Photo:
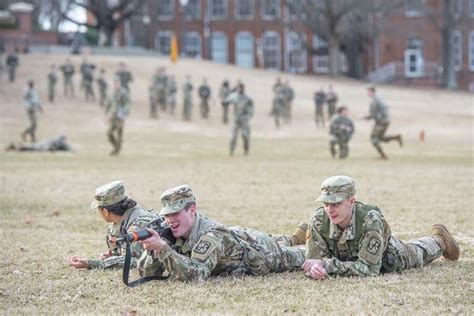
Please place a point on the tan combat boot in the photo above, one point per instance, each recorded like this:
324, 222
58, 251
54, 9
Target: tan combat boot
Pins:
448, 244
299, 235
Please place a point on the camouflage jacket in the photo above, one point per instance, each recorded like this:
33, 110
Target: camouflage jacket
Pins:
331, 98
52, 78
67, 70
378, 111
118, 106
341, 127
319, 98
102, 83
215, 250
31, 100
187, 88
204, 91
125, 77
359, 250
224, 93
243, 106
12, 60
134, 219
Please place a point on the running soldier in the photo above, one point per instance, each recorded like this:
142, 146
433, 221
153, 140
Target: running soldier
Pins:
331, 99
117, 109
341, 130
52, 80
68, 71
224, 93
319, 100
204, 92
32, 105
243, 112
103, 85
187, 99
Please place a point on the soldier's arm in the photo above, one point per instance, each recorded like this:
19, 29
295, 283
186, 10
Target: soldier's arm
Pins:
199, 266
316, 247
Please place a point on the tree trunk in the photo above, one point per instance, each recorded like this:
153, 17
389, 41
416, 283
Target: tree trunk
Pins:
448, 79
333, 55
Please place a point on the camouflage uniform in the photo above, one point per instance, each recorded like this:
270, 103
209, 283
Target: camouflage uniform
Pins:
134, 218
279, 104
52, 80
331, 99
12, 63
102, 83
125, 78
341, 130
68, 71
171, 90
187, 102
289, 96
32, 105
56, 144
204, 94
243, 111
215, 250
118, 107
153, 98
366, 247
87, 71
276, 87
379, 113
224, 93
160, 83
319, 99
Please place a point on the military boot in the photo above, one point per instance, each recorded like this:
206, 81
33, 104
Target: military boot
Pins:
299, 235
400, 140
382, 154
448, 244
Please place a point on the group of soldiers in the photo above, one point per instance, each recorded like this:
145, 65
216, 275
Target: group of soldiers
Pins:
344, 238
282, 102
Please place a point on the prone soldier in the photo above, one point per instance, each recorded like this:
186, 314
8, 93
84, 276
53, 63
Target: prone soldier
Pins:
243, 112
349, 238
56, 144
32, 105
341, 130
52, 80
204, 92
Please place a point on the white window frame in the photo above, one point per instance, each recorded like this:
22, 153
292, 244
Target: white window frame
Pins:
298, 52
218, 17
456, 42
268, 17
223, 36
265, 48
195, 35
238, 48
196, 11
471, 50
419, 63
320, 62
166, 17
244, 17
163, 34
413, 8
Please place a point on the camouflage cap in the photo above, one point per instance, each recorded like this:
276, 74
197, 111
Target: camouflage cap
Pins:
109, 194
336, 189
175, 199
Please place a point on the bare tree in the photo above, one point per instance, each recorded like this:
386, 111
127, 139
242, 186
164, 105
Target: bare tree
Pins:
108, 15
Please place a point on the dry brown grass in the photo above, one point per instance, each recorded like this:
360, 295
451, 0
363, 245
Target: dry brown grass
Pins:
45, 197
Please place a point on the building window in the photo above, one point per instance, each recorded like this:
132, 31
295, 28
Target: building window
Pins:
270, 9
219, 47
163, 42
413, 8
296, 8
297, 53
414, 61
471, 8
271, 50
165, 9
244, 9
455, 7
218, 9
320, 56
471, 50
192, 11
244, 50
192, 45
456, 42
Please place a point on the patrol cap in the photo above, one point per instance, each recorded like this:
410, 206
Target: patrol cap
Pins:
109, 194
175, 199
336, 189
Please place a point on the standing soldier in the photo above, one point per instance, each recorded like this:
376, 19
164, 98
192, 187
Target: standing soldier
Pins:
160, 82
379, 113
204, 94
102, 83
331, 99
341, 130
124, 76
171, 90
88, 79
68, 71
319, 99
32, 105
118, 109
187, 99
153, 97
52, 79
289, 94
224, 93
276, 87
243, 112
278, 104
12, 62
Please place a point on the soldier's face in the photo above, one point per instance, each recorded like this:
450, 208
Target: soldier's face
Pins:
340, 213
182, 223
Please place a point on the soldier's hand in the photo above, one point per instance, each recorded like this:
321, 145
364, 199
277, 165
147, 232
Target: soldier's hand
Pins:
78, 263
314, 268
154, 242
105, 255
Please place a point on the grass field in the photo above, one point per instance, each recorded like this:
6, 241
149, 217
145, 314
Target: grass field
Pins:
45, 197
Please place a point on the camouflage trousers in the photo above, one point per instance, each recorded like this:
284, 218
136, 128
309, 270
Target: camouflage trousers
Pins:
171, 103
343, 147
319, 117
88, 90
414, 254
68, 86
378, 134
162, 99
51, 90
187, 109
225, 112
11, 73
331, 109
115, 133
204, 107
31, 130
278, 112
244, 129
